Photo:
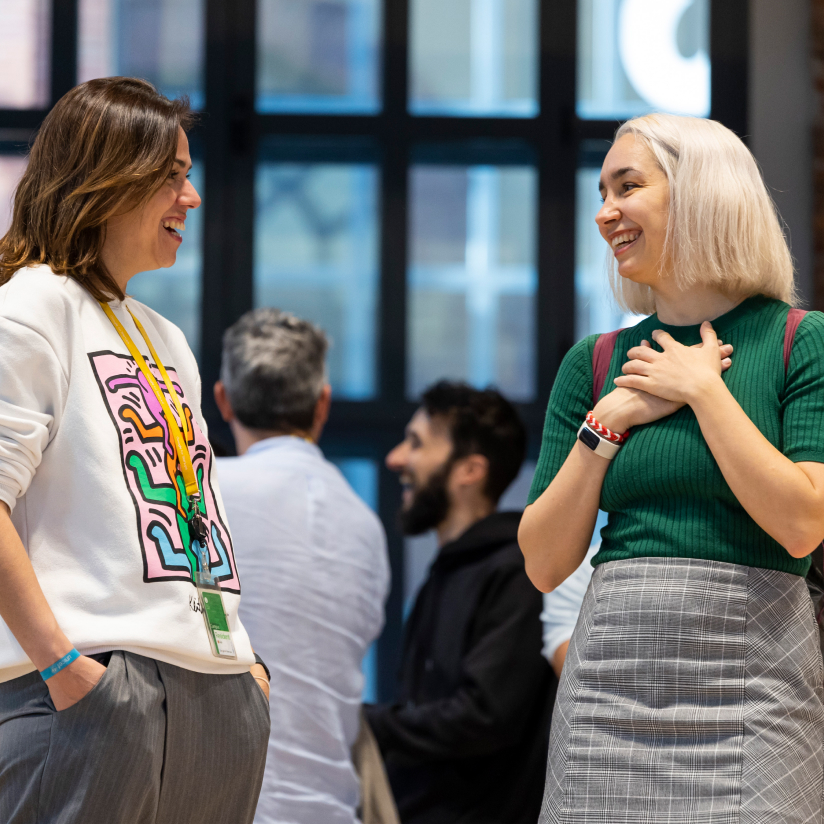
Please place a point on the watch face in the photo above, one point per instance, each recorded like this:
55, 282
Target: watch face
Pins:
589, 438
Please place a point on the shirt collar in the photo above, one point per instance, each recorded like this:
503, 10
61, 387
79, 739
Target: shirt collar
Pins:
290, 442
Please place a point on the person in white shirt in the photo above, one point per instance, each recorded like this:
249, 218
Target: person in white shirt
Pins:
561, 609
313, 559
127, 682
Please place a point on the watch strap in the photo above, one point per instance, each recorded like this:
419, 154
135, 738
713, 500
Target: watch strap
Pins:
259, 660
600, 446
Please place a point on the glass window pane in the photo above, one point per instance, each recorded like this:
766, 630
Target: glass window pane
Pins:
369, 667
316, 255
595, 308
472, 277
175, 292
362, 475
25, 30
318, 55
474, 57
159, 40
639, 56
11, 170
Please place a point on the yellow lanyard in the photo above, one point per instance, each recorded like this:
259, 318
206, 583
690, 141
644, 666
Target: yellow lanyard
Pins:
184, 459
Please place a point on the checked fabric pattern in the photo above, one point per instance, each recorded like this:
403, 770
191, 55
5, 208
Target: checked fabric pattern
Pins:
691, 694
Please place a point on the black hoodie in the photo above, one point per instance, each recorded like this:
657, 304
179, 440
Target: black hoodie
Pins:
467, 741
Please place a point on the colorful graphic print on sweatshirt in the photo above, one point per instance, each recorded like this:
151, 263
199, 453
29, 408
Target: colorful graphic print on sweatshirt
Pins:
153, 478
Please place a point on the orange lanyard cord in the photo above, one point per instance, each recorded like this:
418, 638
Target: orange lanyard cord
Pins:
181, 448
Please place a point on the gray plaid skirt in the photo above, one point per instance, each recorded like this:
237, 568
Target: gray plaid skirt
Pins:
691, 694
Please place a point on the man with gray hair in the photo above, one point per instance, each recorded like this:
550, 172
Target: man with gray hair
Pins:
312, 561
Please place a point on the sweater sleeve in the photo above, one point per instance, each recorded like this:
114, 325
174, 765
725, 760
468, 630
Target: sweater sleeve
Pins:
33, 390
803, 402
569, 402
490, 709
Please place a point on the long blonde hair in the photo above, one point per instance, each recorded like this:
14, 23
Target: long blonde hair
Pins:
723, 229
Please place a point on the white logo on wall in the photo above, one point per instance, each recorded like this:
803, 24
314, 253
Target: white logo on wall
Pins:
648, 43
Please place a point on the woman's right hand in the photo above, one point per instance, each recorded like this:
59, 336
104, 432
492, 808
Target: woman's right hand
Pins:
74, 682
624, 408
26, 612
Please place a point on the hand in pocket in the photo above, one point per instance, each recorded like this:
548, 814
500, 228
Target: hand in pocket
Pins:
259, 674
74, 682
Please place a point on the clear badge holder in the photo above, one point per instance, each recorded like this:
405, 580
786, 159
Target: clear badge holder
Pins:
209, 596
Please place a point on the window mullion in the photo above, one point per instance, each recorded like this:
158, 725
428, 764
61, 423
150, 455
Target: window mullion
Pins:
557, 153
229, 132
394, 153
64, 14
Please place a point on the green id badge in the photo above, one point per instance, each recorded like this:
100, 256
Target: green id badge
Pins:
217, 626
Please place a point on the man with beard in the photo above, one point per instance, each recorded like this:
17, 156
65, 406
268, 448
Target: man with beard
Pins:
466, 741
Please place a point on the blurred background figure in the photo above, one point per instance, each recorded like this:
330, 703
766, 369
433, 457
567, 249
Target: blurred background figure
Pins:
561, 609
466, 740
313, 562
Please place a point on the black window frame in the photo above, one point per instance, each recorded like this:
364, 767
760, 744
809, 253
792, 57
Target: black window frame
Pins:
228, 137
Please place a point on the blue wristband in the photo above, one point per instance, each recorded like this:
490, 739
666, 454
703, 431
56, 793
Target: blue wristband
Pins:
59, 665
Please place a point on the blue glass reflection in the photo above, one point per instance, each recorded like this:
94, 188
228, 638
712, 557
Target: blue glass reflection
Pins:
595, 308
318, 56
472, 278
474, 57
638, 56
362, 476
175, 292
316, 256
369, 668
159, 40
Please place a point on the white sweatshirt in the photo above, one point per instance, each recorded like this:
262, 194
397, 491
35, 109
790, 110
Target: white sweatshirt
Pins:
84, 467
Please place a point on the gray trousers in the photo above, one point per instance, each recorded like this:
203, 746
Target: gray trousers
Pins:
150, 744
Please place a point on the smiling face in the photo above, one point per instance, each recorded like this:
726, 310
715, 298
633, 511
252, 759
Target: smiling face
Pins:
633, 219
149, 236
423, 461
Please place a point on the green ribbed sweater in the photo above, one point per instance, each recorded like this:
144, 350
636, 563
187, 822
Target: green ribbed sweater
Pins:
663, 492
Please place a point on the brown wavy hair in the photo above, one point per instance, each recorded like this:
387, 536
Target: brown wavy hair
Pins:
104, 149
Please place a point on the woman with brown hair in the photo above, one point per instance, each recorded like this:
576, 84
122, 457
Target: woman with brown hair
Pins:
125, 687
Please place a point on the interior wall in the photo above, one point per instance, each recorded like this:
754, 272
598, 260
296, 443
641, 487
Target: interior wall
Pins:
781, 119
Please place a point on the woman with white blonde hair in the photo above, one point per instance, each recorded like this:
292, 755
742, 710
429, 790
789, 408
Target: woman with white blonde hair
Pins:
693, 686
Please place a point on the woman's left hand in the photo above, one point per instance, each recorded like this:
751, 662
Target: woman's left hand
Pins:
259, 674
679, 373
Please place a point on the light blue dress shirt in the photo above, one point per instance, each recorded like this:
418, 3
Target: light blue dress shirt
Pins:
314, 576
563, 605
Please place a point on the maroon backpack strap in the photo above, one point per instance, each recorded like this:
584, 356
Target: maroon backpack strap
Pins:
794, 317
601, 358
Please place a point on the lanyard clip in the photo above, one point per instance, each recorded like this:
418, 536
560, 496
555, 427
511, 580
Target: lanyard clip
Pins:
199, 535
197, 529
194, 501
